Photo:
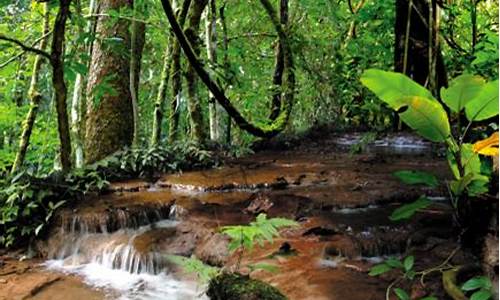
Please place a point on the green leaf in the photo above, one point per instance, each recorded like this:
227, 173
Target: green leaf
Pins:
477, 283
417, 177
379, 269
408, 262
485, 104
408, 210
462, 90
429, 298
481, 295
391, 87
394, 263
426, 117
402, 294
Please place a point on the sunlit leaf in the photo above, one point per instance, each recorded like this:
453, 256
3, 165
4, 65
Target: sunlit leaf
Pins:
461, 90
485, 104
487, 146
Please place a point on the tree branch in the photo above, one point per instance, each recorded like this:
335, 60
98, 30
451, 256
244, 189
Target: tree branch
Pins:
25, 47
13, 58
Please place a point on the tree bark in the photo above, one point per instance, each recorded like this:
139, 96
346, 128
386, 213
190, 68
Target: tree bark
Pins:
138, 39
78, 100
268, 130
176, 76
279, 65
109, 124
35, 96
59, 84
215, 110
412, 52
198, 133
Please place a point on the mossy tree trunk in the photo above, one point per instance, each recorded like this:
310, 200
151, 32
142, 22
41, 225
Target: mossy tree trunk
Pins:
35, 96
138, 32
176, 76
57, 62
110, 120
198, 133
162, 94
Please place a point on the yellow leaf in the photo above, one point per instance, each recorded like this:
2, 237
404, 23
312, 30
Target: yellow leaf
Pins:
488, 146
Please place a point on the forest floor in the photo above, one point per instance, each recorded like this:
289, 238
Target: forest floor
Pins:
342, 202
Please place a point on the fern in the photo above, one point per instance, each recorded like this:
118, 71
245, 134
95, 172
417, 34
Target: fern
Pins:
193, 265
259, 231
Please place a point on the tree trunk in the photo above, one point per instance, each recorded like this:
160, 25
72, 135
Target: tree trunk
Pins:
78, 101
109, 124
215, 110
176, 76
35, 96
279, 65
268, 130
412, 52
138, 39
226, 66
59, 84
194, 104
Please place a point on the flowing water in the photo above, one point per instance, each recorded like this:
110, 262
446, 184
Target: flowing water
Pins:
113, 262
117, 243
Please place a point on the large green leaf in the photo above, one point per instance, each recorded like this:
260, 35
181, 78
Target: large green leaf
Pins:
462, 89
391, 87
426, 117
413, 177
408, 210
485, 104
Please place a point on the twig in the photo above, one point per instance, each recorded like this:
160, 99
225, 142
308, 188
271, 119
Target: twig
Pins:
25, 47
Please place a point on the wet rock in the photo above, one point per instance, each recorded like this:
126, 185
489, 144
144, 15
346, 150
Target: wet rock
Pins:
213, 250
22, 287
239, 287
285, 250
321, 231
260, 204
343, 246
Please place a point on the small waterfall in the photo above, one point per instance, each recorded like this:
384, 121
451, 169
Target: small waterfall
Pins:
125, 260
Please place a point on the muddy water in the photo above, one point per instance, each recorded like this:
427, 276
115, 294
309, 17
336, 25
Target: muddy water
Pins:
114, 246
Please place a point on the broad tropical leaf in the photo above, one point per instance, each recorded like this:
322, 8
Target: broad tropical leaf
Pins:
391, 87
462, 89
427, 118
487, 146
485, 104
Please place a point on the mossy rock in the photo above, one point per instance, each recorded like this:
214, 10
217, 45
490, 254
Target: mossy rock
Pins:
239, 287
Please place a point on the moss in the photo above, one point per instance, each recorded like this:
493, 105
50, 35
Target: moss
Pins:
239, 287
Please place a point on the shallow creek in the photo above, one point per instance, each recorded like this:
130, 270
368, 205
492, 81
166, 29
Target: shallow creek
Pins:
115, 246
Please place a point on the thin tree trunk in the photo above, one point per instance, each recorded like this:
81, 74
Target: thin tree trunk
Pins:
109, 124
138, 40
59, 84
176, 76
194, 104
279, 65
78, 103
215, 110
162, 94
226, 65
35, 96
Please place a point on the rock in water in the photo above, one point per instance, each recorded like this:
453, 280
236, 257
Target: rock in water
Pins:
240, 287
